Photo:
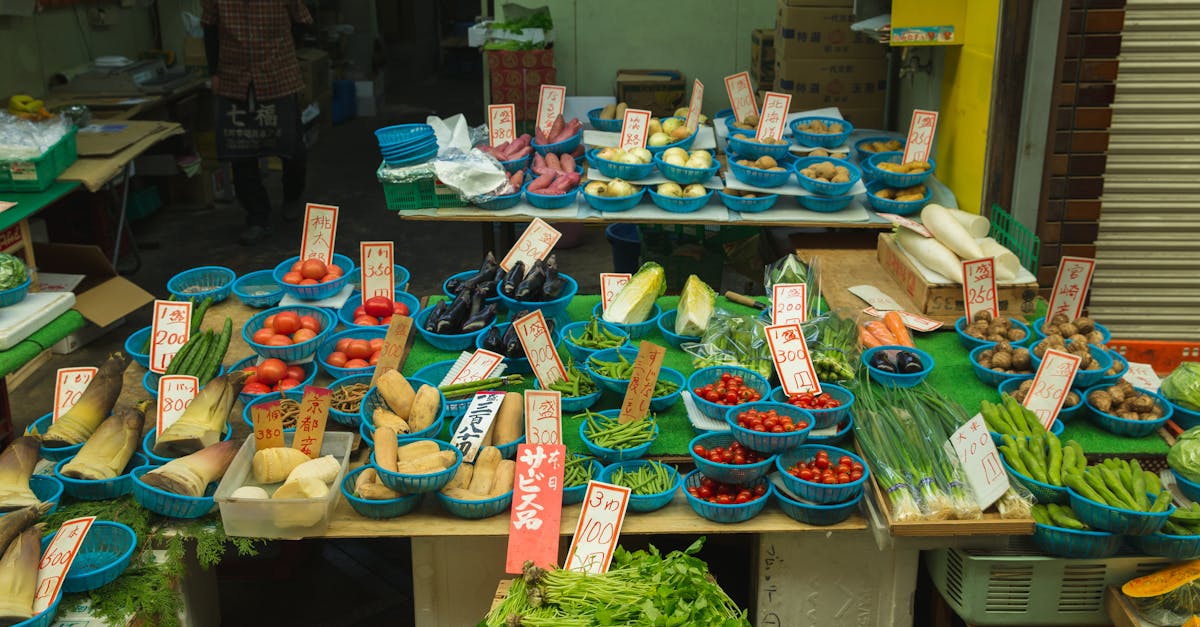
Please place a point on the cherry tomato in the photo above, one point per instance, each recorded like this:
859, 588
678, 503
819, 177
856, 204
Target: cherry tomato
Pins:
288, 384
255, 387
262, 336
311, 323
296, 372
313, 269
337, 359
378, 306
286, 322
272, 370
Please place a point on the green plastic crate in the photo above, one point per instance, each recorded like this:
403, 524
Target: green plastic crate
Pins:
425, 193
1014, 236
38, 174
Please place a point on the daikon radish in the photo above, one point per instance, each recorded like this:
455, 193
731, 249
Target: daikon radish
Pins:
930, 252
975, 224
949, 232
1007, 264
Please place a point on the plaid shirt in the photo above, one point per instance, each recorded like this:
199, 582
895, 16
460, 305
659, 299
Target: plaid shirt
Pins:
256, 46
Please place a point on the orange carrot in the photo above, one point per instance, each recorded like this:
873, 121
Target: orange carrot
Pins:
867, 340
895, 324
881, 333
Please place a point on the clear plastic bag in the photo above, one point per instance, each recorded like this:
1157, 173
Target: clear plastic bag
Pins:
791, 269
22, 139
834, 345
733, 340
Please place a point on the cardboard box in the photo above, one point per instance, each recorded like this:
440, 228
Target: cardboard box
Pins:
104, 298
659, 91
829, 81
762, 53
945, 302
818, 31
761, 83
315, 71
193, 52
516, 77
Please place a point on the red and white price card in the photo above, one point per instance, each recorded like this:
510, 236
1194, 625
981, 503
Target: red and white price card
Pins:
377, 262
551, 99
536, 506
268, 425
695, 104
170, 328
502, 125
646, 367
310, 426
1071, 286
475, 423
915, 227
976, 452
789, 303
741, 96
543, 416
69, 385
910, 320
598, 529
535, 243
774, 116
792, 361
535, 338
480, 365
1051, 384
610, 285
979, 287
175, 393
633, 129
1143, 376
920, 135
320, 229
57, 559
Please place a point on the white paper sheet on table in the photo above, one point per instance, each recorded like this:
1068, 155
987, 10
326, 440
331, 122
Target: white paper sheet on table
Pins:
704, 139
335, 302
654, 179
854, 212
520, 209
790, 189
714, 211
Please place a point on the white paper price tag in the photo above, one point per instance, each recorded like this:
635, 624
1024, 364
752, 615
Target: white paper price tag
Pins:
551, 99
69, 385
57, 560
633, 129
1071, 286
977, 455
920, 136
475, 423
479, 366
1051, 384
170, 328
377, 266
543, 416
911, 320
535, 243
774, 116
915, 227
741, 96
598, 529
175, 393
534, 334
793, 364
320, 230
697, 101
789, 303
979, 287
610, 285
1143, 376
501, 123
875, 297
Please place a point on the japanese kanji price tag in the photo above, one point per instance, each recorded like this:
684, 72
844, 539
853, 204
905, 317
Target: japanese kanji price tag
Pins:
376, 260
915, 227
268, 425
1071, 287
320, 229
1143, 376
1051, 384
920, 135
741, 96
979, 287
789, 303
979, 460
633, 129
170, 329
792, 361
534, 334
535, 243
396, 344
69, 385
543, 416
57, 559
475, 423
774, 116
910, 320
536, 511
480, 365
875, 297
598, 528
175, 393
551, 99
697, 101
610, 285
646, 367
310, 426
502, 123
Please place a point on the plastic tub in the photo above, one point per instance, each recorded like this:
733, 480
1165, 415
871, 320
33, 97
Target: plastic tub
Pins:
295, 394
150, 439
101, 490
169, 504
636, 330
1103, 517
552, 201
608, 126
613, 455
994, 377
53, 454
330, 343
819, 492
292, 352
615, 386
1189, 488
310, 372
1184, 417
761, 178
581, 353
317, 291
730, 131
516, 165
757, 204
626, 246
476, 510
690, 204
711, 374
377, 508
1170, 546
405, 483
737, 474
666, 326
822, 204
863, 155
820, 515
896, 179
614, 205
765, 442
215, 282
501, 202
644, 502
745, 146
346, 312
1075, 543
14, 295
574, 494
104, 554
971, 342
891, 379
349, 419
619, 169
720, 513
1043, 492
1085, 378
684, 175
826, 188
550, 308
567, 145
898, 207
1124, 427
448, 342
824, 418
401, 135
820, 140
134, 344
258, 289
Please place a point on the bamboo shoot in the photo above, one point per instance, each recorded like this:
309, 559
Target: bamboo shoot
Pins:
191, 474
108, 451
204, 420
93, 407
18, 576
16, 465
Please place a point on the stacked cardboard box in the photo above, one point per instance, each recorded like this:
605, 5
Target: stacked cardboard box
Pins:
822, 63
762, 59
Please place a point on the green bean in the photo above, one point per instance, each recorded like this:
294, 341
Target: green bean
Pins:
578, 470
596, 336
663, 388
607, 432
576, 384
650, 478
620, 369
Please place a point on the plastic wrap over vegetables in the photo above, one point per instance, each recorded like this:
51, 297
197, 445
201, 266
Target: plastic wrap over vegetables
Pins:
474, 175
1182, 386
834, 345
790, 269
732, 340
24, 139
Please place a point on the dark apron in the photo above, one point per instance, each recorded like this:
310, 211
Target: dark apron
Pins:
252, 128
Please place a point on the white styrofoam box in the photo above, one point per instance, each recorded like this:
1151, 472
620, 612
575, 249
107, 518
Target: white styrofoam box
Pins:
21, 320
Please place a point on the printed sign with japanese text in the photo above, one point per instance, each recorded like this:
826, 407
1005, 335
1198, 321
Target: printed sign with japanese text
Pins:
57, 559
536, 512
789, 303
598, 529
979, 287
170, 328
610, 285
310, 426
634, 128
551, 99
377, 265
534, 334
793, 364
535, 243
268, 425
920, 135
475, 423
774, 116
741, 96
644, 377
695, 104
1051, 384
543, 416
502, 125
976, 452
175, 393
320, 229
69, 385
1070, 287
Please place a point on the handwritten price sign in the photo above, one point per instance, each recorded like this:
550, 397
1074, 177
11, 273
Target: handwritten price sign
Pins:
1051, 384
480, 365
646, 367
697, 101
789, 303
551, 99
610, 285
534, 334
475, 423
310, 426
774, 116
598, 528
792, 361
378, 269
69, 385
1071, 286
741, 96
543, 416
915, 227
920, 135
977, 455
979, 287
57, 559
320, 229
268, 425
169, 331
502, 123
537, 506
175, 393
633, 129
535, 243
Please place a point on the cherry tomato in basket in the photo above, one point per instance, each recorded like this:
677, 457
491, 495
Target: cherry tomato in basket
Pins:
255, 387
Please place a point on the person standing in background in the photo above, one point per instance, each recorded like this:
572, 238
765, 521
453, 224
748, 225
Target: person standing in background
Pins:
251, 52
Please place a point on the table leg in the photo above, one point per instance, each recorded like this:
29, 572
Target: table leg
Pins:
122, 227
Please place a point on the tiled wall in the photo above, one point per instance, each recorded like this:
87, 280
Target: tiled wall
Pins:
1069, 218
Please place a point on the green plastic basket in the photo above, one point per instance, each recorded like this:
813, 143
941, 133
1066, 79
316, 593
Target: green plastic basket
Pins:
1014, 236
38, 174
426, 193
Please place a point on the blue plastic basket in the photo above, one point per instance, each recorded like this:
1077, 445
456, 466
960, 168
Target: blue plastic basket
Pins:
635, 330
684, 143
448, 342
863, 155
435, 373
558, 148
330, 343
680, 205
613, 455
1170, 546
169, 504
1190, 488
757, 204
516, 365
310, 372
664, 402
574, 494
508, 450
820, 515
54, 454
476, 510
764, 442
45, 618
402, 154
317, 291
994, 377
730, 131
826, 188
1066, 414
819, 492
420, 157
400, 135
608, 126
400, 279
615, 386
1103, 517
103, 490
47, 489
14, 295
761, 178
685, 175
1056, 428
346, 312
1075, 543
518, 164
820, 140
550, 308
580, 353
643, 502
371, 400
1043, 492
971, 342
845, 429
419, 483
150, 381
824, 418
349, 419
666, 326
895, 179
258, 289
501, 202
614, 205
295, 394
552, 201
292, 352
377, 508
1085, 378
574, 404
738, 474
104, 554
890, 379
462, 276
711, 374
718, 513
214, 282
150, 439
1120, 362
618, 169
898, 207
1040, 333
1184, 417
1123, 427
746, 147
134, 344
822, 204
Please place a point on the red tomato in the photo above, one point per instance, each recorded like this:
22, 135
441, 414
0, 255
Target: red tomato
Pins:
337, 359
386, 320
311, 323
270, 321
255, 387
296, 372
335, 270
366, 321
376, 343
309, 282
287, 384
286, 322
374, 358
297, 266
358, 349
359, 312
279, 340
313, 269
356, 363
293, 278
263, 336
329, 277
341, 345
400, 309
270, 371
303, 335
378, 306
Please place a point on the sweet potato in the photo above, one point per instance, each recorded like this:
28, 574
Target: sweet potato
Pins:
552, 162
566, 163
517, 179
541, 183
555, 129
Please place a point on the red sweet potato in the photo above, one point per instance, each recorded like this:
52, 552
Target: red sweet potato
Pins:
566, 163
541, 183
552, 162
517, 178
555, 128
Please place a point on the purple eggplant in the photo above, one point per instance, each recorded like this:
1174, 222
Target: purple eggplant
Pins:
480, 319
514, 277
530, 288
493, 340
436, 314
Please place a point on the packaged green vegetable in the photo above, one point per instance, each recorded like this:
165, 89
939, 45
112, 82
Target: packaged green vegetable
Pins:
732, 340
1182, 386
790, 269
